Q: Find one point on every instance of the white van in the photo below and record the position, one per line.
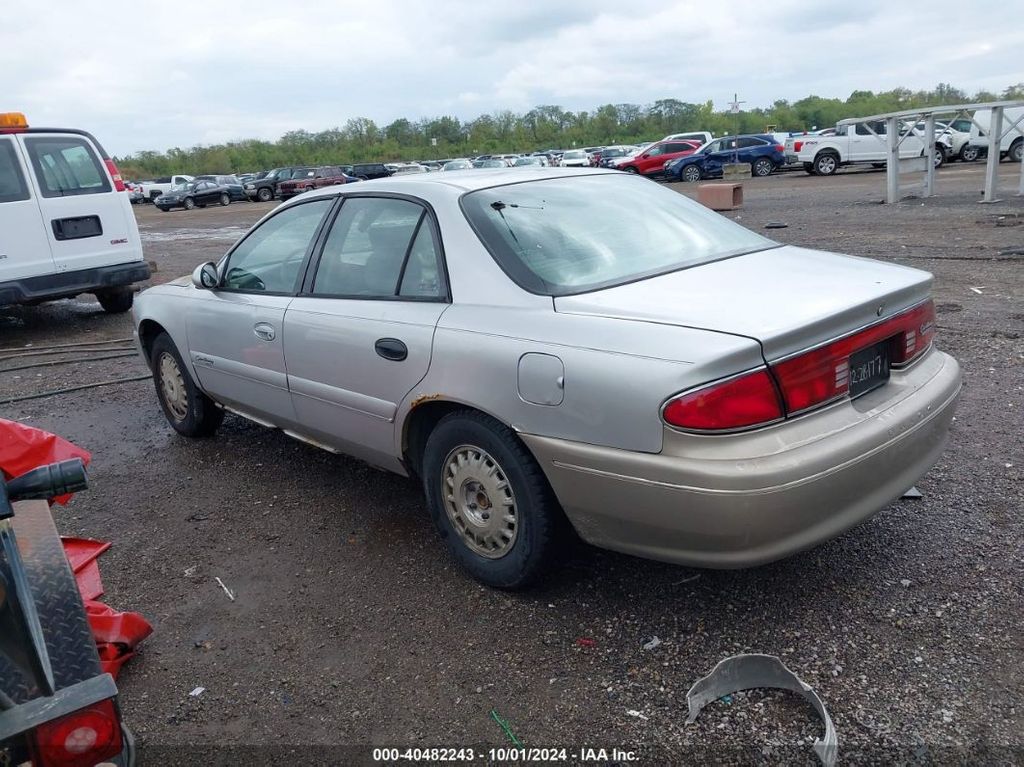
(1012, 144)
(66, 224)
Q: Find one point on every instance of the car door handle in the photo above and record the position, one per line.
(391, 349)
(264, 331)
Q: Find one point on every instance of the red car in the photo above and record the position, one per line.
(304, 179)
(651, 161)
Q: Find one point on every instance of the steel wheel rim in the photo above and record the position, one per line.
(479, 501)
(826, 164)
(172, 386)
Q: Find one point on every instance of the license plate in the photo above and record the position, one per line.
(869, 368)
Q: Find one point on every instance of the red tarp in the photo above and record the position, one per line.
(23, 448)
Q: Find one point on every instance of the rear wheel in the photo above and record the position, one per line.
(826, 164)
(186, 408)
(189, 203)
(969, 153)
(490, 501)
(763, 167)
(116, 300)
(1017, 150)
(225, 199)
(690, 173)
(265, 194)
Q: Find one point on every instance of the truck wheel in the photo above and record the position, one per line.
(189, 203)
(265, 194)
(225, 199)
(490, 501)
(763, 167)
(186, 408)
(116, 300)
(826, 164)
(969, 153)
(1016, 150)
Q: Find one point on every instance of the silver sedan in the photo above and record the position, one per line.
(552, 350)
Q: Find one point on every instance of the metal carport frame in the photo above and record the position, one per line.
(995, 131)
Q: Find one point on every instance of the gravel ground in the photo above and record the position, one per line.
(351, 628)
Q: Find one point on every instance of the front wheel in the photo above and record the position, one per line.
(490, 501)
(630, 169)
(189, 203)
(690, 173)
(225, 199)
(186, 408)
(265, 194)
(969, 153)
(763, 167)
(939, 159)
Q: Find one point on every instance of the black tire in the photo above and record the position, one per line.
(762, 167)
(201, 205)
(878, 165)
(225, 199)
(826, 163)
(691, 174)
(809, 168)
(969, 153)
(940, 156)
(116, 300)
(539, 521)
(1016, 151)
(631, 169)
(189, 203)
(202, 416)
(265, 194)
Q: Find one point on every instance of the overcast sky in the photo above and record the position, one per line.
(154, 75)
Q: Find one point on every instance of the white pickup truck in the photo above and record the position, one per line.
(850, 144)
(153, 189)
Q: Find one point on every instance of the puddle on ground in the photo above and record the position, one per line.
(231, 233)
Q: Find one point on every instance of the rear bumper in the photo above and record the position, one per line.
(48, 287)
(745, 499)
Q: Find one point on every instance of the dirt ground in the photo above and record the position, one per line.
(350, 627)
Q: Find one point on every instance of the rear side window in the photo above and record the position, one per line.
(66, 166)
(12, 181)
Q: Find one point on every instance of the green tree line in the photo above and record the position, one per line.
(543, 127)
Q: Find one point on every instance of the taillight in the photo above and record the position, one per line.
(797, 145)
(736, 403)
(115, 174)
(82, 739)
(821, 375)
(779, 148)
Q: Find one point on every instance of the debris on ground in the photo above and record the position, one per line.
(226, 589)
(197, 692)
(586, 642)
(913, 493)
(504, 725)
(652, 644)
(637, 714)
(776, 225)
(745, 672)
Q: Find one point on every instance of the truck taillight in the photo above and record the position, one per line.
(115, 174)
(797, 145)
(736, 403)
(821, 375)
(81, 739)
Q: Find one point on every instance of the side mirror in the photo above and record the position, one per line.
(644, 156)
(205, 276)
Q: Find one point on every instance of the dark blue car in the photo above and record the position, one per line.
(762, 151)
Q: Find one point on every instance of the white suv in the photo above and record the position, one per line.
(66, 224)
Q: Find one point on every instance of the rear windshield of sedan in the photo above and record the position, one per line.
(573, 235)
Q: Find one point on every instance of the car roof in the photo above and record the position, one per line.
(462, 180)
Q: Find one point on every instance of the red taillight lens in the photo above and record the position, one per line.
(748, 400)
(779, 148)
(822, 374)
(115, 174)
(82, 739)
(797, 145)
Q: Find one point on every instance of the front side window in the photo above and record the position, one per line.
(12, 180)
(66, 166)
(269, 258)
(379, 248)
(564, 236)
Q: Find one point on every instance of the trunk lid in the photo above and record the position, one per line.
(788, 298)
